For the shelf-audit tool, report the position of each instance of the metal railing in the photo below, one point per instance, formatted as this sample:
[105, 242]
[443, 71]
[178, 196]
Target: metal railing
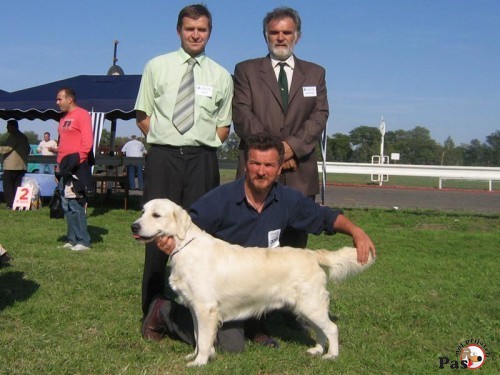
[489, 174]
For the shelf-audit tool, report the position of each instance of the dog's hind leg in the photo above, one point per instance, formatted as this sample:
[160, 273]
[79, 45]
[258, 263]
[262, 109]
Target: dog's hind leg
[206, 323]
[325, 331]
[316, 313]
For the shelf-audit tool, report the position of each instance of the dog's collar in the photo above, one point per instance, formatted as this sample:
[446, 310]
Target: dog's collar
[187, 243]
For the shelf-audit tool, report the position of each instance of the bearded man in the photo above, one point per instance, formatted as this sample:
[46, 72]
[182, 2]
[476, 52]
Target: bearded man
[283, 96]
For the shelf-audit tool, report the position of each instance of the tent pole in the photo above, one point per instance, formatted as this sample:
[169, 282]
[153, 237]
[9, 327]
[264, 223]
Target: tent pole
[111, 153]
[112, 138]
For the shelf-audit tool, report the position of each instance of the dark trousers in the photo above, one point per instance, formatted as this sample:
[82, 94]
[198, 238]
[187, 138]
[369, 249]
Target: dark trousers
[179, 326]
[182, 175]
[11, 181]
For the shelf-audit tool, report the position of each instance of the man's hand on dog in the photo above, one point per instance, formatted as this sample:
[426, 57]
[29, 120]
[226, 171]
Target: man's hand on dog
[165, 244]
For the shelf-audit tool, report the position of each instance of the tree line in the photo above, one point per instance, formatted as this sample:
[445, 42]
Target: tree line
[414, 146]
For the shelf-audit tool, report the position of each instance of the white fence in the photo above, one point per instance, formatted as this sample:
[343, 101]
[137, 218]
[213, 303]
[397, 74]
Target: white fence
[488, 174]
[441, 172]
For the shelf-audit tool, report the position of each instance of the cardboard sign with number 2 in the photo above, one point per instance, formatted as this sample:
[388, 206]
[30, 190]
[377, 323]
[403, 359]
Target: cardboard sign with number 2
[22, 201]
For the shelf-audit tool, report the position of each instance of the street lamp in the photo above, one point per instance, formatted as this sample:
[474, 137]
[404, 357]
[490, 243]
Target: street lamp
[382, 159]
[382, 131]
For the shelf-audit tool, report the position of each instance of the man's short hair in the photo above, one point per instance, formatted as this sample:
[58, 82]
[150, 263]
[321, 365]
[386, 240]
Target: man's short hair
[14, 123]
[264, 142]
[46, 133]
[280, 13]
[194, 12]
[69, 92]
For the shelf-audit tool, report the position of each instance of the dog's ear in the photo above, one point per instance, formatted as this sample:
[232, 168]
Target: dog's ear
[182, 221]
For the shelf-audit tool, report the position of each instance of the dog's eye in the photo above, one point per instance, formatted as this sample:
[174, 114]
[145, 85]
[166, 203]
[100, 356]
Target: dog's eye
[156, 216]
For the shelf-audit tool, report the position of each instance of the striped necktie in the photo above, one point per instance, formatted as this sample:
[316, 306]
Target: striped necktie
[183, 117]
[283, 83]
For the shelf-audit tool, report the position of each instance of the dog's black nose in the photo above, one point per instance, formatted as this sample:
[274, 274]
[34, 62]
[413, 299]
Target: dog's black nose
[135, 227]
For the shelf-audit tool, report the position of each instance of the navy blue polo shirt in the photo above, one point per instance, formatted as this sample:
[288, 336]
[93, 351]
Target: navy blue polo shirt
[225, 213]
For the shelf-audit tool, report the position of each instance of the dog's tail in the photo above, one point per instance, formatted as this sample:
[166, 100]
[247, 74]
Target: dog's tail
[342, 263]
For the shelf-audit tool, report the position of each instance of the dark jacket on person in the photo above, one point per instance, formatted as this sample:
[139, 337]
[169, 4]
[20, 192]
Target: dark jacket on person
[70, 169]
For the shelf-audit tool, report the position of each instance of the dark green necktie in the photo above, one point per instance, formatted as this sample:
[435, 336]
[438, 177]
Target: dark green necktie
[283, 83]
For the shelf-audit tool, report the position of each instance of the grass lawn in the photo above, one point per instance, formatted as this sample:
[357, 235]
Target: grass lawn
[435, 284]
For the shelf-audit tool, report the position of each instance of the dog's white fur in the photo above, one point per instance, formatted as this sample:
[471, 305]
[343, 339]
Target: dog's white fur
[221, 282]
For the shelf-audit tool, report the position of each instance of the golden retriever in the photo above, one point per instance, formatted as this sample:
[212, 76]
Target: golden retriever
[221, 282]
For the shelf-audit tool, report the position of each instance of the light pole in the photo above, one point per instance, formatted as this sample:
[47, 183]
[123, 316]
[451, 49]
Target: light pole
[381, 160]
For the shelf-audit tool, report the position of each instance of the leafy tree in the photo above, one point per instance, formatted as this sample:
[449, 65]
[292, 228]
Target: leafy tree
[229, 149]
[477, 154]
[338, 148]
[414, 146]
[365, 142]
[32, 137]
[451, 155]
[105, 138]
[493, 140]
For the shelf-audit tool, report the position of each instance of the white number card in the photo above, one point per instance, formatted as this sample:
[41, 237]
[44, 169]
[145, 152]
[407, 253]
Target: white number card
[273, 238]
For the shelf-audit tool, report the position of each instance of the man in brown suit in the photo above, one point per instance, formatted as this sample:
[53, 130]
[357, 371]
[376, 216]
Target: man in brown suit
[294, 108]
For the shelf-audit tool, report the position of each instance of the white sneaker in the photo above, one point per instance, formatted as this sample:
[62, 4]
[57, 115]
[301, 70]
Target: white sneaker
[67, 245]
[80, 247]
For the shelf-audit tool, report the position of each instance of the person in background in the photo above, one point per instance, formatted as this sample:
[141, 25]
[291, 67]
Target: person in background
[15, 158]
[184, 109]
[134, 149]
[5, 257]
[284, 96]
[47, 147]
[75, 178]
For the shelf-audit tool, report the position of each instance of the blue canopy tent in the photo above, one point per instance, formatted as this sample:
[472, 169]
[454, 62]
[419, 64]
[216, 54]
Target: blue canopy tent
[108, 97]
[113, 95]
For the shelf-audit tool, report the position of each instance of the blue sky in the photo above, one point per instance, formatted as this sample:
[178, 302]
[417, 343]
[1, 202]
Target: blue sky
[431, 63]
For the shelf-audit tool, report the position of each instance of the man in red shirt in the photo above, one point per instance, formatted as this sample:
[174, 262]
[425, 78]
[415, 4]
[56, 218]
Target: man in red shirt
[75, 179]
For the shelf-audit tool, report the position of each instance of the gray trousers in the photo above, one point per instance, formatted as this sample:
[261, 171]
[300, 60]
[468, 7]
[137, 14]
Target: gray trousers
[179, 326]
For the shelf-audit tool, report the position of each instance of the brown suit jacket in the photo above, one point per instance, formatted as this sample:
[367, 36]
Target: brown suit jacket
[257, 108]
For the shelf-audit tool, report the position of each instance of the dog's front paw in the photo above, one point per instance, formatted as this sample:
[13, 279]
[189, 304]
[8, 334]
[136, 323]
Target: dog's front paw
[317, 350]
[198, 362]
[190, 356]
[330, 357]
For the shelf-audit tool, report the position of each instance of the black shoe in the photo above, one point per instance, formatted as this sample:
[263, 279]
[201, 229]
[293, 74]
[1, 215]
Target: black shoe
[5, 258]
[153, 325]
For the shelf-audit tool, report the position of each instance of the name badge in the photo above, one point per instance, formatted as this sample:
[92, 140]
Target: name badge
[273, 238]
[204, 90]
[309, 91]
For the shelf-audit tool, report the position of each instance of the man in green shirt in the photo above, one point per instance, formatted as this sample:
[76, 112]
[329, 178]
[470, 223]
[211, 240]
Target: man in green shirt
[184, 109]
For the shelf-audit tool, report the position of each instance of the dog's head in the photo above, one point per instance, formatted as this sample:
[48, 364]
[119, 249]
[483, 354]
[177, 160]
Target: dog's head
[161, 217]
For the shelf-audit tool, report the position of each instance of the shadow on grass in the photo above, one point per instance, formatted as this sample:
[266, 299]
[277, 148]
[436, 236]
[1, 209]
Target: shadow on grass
[103, 204]
[96, 234]
[285, 326]
[14, 287]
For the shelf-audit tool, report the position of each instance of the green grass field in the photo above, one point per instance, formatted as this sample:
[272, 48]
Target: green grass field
[434, 285]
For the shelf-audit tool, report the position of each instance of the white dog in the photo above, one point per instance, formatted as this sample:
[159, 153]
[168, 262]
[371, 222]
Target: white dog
[220, 282]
